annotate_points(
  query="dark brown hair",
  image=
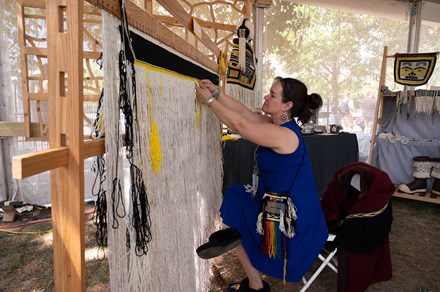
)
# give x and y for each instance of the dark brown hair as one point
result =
(304, 105)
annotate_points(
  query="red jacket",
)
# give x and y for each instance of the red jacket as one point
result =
(361, 219)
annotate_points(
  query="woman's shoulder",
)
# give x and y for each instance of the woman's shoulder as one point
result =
(291, 125)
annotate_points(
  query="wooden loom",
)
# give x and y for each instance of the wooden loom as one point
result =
(68, 148)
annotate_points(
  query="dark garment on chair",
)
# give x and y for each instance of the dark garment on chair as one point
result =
(361, 221)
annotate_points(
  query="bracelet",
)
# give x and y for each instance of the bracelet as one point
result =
(217, 95)
(209, 100)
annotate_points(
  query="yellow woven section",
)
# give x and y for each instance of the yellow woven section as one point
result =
(155, 151)
(198, 111)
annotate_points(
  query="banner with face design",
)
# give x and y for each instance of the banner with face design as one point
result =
(414, 69)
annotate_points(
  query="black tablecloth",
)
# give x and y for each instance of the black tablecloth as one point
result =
(327, 153)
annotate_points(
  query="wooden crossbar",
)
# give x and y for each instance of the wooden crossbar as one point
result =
(30, 164)
(14, 129)
(37, 162)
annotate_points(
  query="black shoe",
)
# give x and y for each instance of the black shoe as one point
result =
(219, 243)
(418, 185)
(243, 286)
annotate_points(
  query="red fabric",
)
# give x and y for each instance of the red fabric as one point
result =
(360, 270)
(356, 271)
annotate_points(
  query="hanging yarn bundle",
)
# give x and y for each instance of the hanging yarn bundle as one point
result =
(140, 209)
(100, 212)
(98, 188)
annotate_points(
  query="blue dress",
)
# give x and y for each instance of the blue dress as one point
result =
(276, 173)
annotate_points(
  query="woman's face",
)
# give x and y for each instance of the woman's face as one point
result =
(273, 102)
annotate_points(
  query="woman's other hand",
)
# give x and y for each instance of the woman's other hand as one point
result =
(202, 94)
(206, 83)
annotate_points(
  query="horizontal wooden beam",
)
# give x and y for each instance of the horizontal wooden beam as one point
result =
(37, 51)
(14, 129)
(33, 3)
(205, 24)
(148, 24)
(186, 20)
(26, 165)
(94, 147)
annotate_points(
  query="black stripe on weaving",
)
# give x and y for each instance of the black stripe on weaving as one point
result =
(156, 55)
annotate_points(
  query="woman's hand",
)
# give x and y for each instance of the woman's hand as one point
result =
(202, 94)
(206, 83)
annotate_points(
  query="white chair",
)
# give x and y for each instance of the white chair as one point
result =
(326, 259)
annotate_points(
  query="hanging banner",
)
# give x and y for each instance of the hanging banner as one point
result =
(244, 77)
(414, 69)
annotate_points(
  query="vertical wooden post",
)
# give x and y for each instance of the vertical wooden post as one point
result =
(148, 5)
(24, 71)
(65, 61)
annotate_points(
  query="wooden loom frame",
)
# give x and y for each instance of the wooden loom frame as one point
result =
(68, 149)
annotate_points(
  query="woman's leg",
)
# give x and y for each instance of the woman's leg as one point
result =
(254, 276)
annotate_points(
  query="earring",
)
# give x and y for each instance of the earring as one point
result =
(284, 117)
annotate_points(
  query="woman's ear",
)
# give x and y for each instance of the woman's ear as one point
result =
(288, 105)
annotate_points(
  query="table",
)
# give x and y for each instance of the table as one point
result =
(328, 153)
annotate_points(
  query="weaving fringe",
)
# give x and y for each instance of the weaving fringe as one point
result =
(244, 95)
(425, 104)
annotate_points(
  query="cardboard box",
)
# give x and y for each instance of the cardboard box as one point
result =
(9, 215)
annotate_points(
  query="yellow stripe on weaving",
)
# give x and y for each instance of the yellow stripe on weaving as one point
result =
(165, 71)
(172, 73)
(155, 151)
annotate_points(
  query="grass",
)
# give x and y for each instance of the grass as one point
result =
(26, 262)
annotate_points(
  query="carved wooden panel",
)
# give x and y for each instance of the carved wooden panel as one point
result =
(31, 18)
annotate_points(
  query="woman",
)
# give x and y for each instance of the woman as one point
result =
(284, 170)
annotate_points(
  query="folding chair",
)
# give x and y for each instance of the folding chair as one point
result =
(326, 262)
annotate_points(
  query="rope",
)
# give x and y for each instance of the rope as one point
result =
(100, 212)
(141, 221)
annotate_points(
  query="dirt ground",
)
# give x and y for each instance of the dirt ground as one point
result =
(26, 255)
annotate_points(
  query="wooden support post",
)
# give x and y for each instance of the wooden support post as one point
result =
(64, 22)
(24, 69)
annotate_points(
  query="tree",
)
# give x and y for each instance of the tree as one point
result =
(331, 51)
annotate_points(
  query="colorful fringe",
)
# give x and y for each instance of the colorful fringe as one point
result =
(276, 223)
(272, 241)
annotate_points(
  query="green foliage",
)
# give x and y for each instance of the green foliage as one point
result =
(331, 51)
(9, 23)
